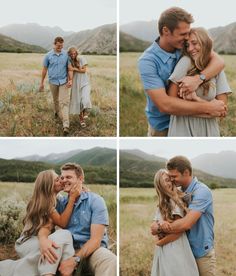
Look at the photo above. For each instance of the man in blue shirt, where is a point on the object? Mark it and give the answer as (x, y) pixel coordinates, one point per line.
(60, 74)
(156, 65)
(199, 221)
(87, 225)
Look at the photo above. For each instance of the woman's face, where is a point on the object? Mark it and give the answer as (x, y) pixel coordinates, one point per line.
(73, 54)
(167, 182)
(58, 185)
(193, 47)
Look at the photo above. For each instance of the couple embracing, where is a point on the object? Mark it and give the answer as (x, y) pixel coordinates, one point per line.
(69, 83)
(185, 85)
(44, 248)
(184, 222)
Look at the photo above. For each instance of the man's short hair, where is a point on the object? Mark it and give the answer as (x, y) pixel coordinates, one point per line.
(58, 39)
(179, 163)
(171, 17)
(73, 167)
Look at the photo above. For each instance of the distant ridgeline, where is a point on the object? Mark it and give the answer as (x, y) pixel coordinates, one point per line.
(98, 41)
(137, 36)
(136, 171)
(99, 166)
(11, 45)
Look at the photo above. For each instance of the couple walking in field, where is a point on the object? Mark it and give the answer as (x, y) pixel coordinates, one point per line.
(44, 247)
(69, 83)
(185, 85)
(183, 225)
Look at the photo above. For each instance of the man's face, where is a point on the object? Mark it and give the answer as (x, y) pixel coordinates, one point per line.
(178, 37)
(58, 46)
(69, 179)
(177, 178)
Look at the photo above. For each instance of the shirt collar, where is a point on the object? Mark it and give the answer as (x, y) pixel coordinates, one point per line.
(83, 196)
(56, 53)
(192, 185)
(162, 54)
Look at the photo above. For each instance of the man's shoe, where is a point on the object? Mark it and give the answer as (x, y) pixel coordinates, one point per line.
(65, 131)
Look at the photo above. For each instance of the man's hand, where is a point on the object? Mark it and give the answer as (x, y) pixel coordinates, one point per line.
(165, 226)
(219, 108)
(41, 87)
(67, 267)
(154, 228)
(69, 84)
(189, 84)
(46, 249)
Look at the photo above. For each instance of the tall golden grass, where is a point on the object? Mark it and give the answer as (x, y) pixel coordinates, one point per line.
(26, 112)
(136, 243)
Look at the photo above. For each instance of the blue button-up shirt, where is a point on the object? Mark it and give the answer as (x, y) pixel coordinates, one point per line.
(89, 209)
(201, 235)
(155, 67)
(57, 64)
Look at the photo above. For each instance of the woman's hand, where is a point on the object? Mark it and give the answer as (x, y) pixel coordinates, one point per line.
(75, 191)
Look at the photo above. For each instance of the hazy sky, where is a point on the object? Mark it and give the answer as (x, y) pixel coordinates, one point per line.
(10, 148)
(170, 147)
(207, 13)
(73, 15)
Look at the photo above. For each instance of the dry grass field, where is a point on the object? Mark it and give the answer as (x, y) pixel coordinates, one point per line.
(26, 112)
(20, 194)
(133, 121)
(137, 208)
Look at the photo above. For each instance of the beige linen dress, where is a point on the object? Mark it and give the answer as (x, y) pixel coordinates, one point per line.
(30, 262)
(189, 126)
(174, 258)
(80, 92)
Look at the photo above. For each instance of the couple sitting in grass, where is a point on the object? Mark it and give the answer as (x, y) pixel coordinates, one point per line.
(44, 248)
(65, 71)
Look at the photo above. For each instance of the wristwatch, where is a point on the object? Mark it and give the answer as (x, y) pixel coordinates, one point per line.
(77, 259)
(202, 77)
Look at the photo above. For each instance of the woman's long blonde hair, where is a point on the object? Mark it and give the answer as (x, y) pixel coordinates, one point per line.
(74, 62)
(165, 196)
(40, 204)
(202, 61)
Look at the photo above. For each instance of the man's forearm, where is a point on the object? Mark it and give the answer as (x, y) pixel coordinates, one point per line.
(44, 232)
(215, 66)
(88, 248)
(44, 73)
(179, 107)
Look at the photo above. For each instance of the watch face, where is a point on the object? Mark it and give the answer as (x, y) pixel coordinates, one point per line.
(77, 259)
(202, 77)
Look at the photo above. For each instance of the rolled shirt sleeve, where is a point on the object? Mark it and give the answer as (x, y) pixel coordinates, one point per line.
(202, 199)
(99, 212)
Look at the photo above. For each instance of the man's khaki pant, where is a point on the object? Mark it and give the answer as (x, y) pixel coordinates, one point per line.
(207, 264)
(103, 262)
(61, 99)
(152, 132)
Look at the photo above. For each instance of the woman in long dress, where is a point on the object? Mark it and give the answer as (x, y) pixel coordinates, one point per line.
(173, 255)
(41, 213)
(80, 92)
(197, 53)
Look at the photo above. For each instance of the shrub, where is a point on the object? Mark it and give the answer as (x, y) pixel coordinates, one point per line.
(11, 215)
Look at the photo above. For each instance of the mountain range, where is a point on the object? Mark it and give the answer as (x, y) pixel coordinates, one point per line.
(224, 37)
(8, 44)
(129, 43)
(218, 164)
(98, 163)
(138, 171)
(101, 40)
